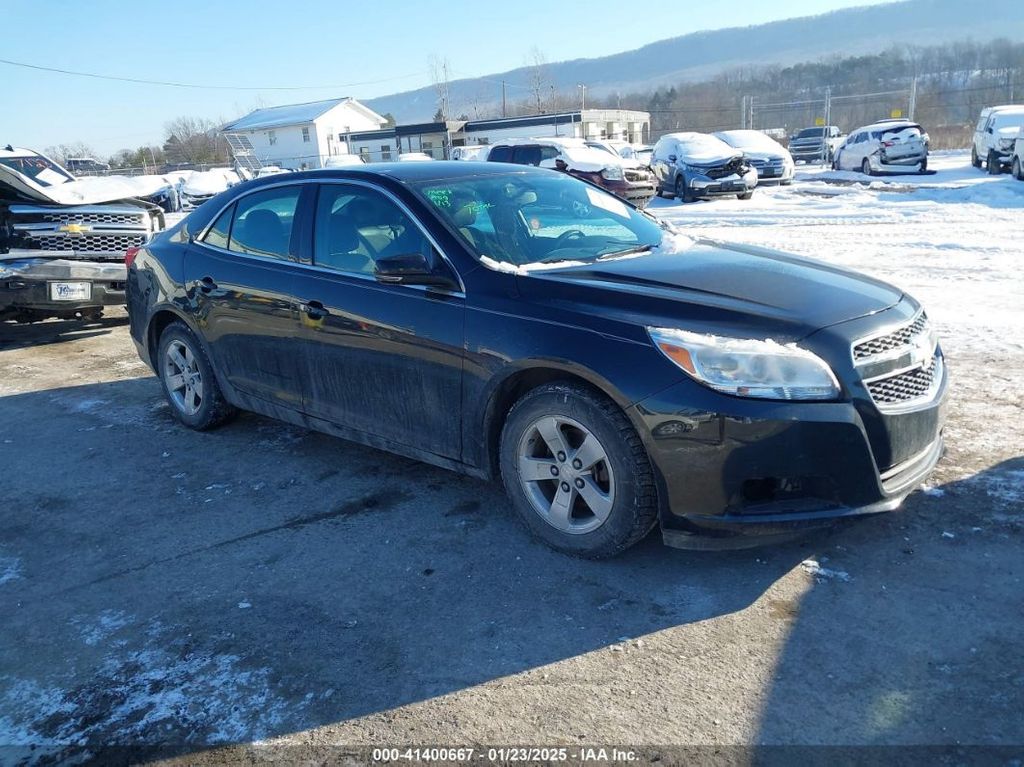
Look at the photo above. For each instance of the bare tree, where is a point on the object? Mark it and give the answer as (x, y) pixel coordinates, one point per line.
(440, 75)
(61, 152)
(194, 140)
(538, 80)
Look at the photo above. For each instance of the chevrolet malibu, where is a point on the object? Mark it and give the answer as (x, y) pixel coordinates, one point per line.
(514, 322)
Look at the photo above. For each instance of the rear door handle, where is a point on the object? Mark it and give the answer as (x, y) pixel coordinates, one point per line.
(207, 285)
(314, 310)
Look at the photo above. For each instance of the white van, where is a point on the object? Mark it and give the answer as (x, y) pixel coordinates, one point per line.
(995, 135)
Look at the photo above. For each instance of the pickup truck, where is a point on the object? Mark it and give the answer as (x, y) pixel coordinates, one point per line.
(63, 241)
(816, 144)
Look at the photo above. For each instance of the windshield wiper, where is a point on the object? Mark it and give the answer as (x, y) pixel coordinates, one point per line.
(626, 252)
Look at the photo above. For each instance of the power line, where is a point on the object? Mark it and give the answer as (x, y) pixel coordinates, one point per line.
(199, 86)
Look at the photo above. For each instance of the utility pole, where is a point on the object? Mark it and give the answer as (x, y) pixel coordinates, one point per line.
(743, 113)
(504, 103)
(825, 146)
(583, 100)
(913, 99)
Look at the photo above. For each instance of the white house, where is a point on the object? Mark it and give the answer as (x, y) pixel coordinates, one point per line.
(298, 136)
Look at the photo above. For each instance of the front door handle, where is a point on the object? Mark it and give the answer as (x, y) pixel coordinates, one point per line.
(314, 310)
(207, 285)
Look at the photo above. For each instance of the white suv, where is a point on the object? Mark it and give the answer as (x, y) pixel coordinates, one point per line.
(1017, 163)
(995, 135)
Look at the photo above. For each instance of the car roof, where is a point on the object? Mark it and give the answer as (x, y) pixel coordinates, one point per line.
(553, 140)
(888, 125)
(438, 170)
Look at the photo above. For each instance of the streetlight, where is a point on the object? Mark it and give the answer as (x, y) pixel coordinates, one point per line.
(583, 98)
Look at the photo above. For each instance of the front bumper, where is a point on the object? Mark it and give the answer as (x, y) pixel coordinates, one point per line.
(28, 285)
(738, 473)
(705, 186)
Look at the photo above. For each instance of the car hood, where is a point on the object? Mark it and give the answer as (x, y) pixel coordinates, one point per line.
(710, 159)
(707, 280)
(84, 191)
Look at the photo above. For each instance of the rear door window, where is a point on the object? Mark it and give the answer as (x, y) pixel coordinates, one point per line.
(264, 223)
(217, 235)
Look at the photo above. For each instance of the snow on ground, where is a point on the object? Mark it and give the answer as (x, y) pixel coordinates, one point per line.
(952, 240)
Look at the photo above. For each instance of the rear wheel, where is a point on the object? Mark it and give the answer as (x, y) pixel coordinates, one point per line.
(975, 160)
(1018, 171)
(745, 196)
(924, 165)
(865, 167)
(188, 380)
(576, 471)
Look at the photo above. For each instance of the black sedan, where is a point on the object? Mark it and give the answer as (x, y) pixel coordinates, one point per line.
(508, 321)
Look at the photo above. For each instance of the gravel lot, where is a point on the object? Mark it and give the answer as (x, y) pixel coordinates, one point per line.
(263, 583)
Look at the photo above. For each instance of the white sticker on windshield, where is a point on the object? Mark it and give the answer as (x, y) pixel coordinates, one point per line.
(49, 177)
(607, 202)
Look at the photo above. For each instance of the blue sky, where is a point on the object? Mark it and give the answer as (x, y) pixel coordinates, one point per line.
(357, 49)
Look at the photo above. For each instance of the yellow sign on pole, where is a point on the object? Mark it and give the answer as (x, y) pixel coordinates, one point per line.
(896, 114)
(820, 122)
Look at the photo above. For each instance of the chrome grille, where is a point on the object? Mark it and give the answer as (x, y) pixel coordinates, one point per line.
(637, 175)
(891, 341)
(88, 243)
(904, 387)
(92, 218)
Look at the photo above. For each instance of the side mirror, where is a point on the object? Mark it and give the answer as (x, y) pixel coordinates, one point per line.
(672, 158)
(410, 269)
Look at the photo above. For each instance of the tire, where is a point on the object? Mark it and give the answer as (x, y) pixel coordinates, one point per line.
(994, 168)
(865, 167)
(1017, 170)
(683, 192)
(181, 354)
(975, 160)
(745, 196)
(664, 194)
(620, 483)
(924, 165)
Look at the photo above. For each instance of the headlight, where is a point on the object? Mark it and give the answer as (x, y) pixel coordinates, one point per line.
(747, 367)
(613, 173)
(1006, 143)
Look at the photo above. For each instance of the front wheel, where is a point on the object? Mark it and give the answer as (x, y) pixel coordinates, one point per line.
(975, 160)
(577, 473)
(994, 167)
(865, 167)
(683, 192)
(188, 380)
(745, 196)
(1018, 171)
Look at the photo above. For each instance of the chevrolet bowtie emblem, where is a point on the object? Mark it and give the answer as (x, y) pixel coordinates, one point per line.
(74, 229)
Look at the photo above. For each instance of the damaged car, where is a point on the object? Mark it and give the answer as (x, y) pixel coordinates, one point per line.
(622, 177)
(63, 240)
(888, 146)
(697, 166)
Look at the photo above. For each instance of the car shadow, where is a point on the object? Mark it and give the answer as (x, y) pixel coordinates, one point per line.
(15, 335)
(173, 590)
(910, 634)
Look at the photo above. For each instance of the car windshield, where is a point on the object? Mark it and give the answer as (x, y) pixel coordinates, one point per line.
(811, 133)
(1008, 120)
(519, 219)
(37, 168)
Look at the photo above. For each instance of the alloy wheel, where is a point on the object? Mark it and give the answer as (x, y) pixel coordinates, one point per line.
(184, 378)
(566, 474)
